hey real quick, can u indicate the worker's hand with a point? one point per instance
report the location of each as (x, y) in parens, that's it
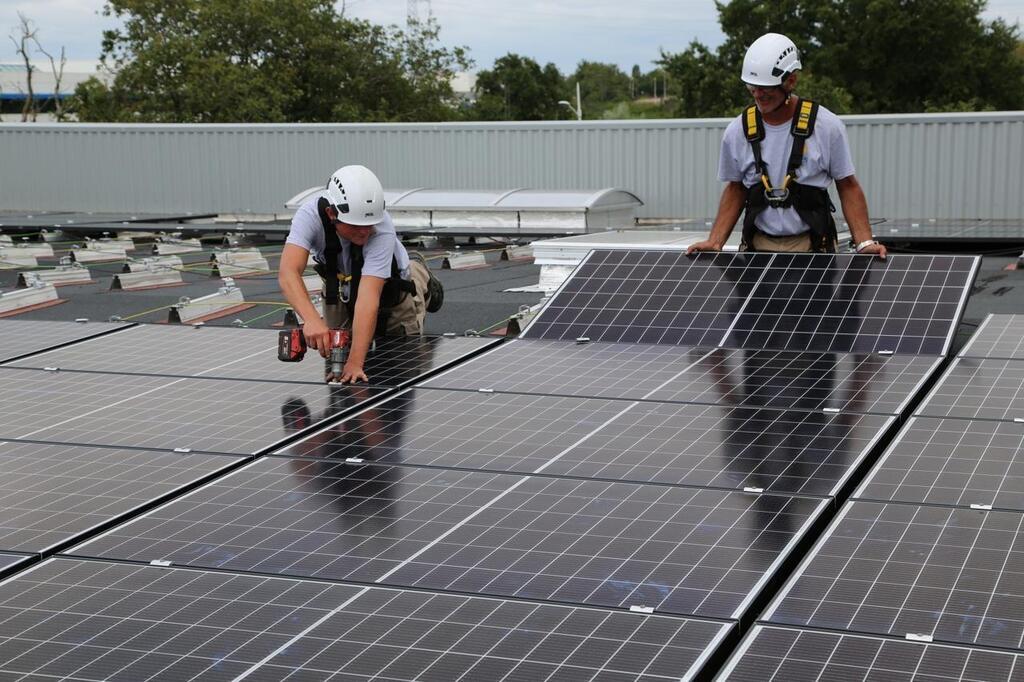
(706, 245)
(876, 249)
(351, 373)
(318, 336)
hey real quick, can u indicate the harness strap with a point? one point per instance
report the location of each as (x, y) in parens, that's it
(332, 249)
(801, 128)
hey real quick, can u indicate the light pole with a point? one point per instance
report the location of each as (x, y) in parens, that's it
(578, 109)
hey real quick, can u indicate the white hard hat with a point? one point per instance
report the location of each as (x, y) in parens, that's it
(769, 60)
(357, 195)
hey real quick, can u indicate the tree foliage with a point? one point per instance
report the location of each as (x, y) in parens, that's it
(266, 61)
(517, 88)
(863, 56)
(601, 86)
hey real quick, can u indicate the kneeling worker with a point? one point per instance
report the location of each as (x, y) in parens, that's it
(371, 284)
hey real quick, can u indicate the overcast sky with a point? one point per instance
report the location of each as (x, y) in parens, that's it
(624, 33)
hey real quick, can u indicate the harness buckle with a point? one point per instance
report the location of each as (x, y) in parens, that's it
(777, 197)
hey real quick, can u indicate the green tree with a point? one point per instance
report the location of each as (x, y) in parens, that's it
(863, 56)
(517, 89)
(266, 61)
(601, 86)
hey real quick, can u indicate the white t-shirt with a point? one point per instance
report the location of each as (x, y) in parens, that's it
(826, 158)
(308, 232)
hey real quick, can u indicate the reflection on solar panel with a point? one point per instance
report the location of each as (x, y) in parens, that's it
(246, 354)
(781, 379)
(946, 230)
(897, 569)
(822, 302)
(999, 336)
(51, 493)
(216, 415)
(773, 654)
(978, 389)
(952, 462)
(688, 551)
(20, 337)
(707, 445)
(88, 620)
(9, 561)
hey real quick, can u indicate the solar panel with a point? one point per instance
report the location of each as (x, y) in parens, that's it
(50, 494)
(216, 415)
(978, 389)
(89, 620)
(952, 462)
(70, 220)
(662, 297)
(10, 561)
(687, 551)
(247, 354)
(794, 451)
(21, 337)
(773, 654)
(999, 336)
(849, 303)
(817, 302)
(920, 571)
(947, 230)
(780, 379)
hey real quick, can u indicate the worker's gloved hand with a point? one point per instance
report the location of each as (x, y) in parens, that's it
(350, 374)
(318, 336)
(875, 249)
(706, 245)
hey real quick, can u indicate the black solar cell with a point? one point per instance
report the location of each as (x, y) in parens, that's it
(773, 654)
(897, 569)
(688, 551)
(952, 462)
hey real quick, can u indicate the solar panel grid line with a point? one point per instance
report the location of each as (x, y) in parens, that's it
(978, 389)
(930, 462)
(34, 328)
(746, 302)
(969, 557)
(786, 654)
(231, 621)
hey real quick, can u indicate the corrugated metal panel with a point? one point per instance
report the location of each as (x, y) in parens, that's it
(940, 165)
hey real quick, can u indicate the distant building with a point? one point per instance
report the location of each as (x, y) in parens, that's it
(14, 85)
(464, 86)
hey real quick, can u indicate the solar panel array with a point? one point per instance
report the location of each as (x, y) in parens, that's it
(613, 510)
(950, 230)
(922, 575)
(998, 337)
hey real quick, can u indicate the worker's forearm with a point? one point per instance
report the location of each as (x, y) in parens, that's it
(729, 208)
(855, 210)
(363, 327)
(295, 293)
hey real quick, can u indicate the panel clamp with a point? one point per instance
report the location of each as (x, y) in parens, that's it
(485, 390)
(583, 339)
(160, 562)
(831, 410)
(752, 489)
(1019, 420)
(984, 507)
(910, 636)
(353, 460)
(885, 352)
(641, 609)
(183, 451)
(51, 369)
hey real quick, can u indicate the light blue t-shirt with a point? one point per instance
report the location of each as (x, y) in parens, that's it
(826, 158)
(308, 232)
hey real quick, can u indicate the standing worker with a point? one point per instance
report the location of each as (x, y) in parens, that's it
(778, 159)
(371, 284)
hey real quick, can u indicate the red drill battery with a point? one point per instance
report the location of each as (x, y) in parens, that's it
(291, 343)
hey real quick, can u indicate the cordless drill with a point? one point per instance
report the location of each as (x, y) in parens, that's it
(291, 347)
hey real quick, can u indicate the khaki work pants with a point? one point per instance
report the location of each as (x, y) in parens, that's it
(789, 244)
(404, 319)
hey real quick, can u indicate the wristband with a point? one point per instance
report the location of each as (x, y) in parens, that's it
(864, 244)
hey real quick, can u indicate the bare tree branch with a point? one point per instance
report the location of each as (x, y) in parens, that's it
(25, 34)
(58, 75)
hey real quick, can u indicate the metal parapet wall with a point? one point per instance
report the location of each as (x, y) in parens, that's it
(912, 165)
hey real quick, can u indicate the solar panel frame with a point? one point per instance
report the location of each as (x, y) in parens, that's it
(214, 415)
(99, 620)
(791, 452)
(52, 494)
(21, 338)
(623, 296)
(998, 337)
(951, 462)
(974, 388)
(745, 378)
(691, 551)
(869, 560)
(781, 654)
(230, 353)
